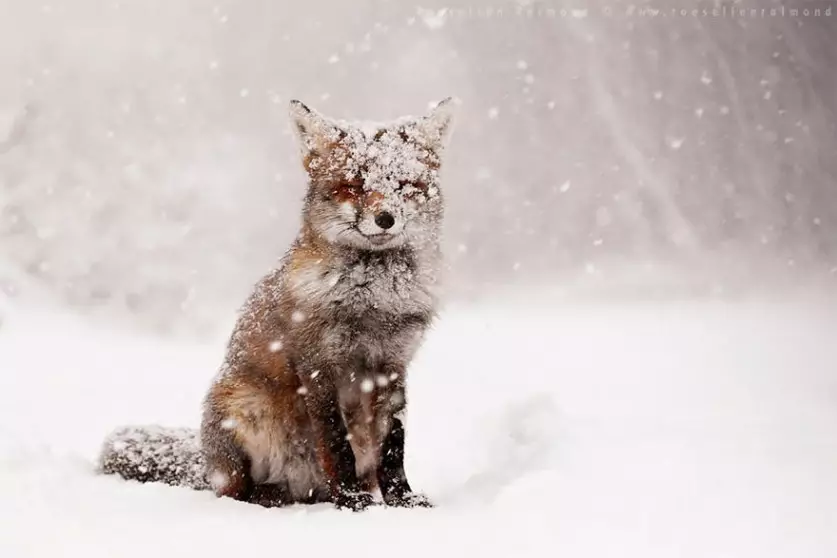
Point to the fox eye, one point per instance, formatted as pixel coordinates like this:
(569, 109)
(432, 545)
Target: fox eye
(412, 188)
(347, 190)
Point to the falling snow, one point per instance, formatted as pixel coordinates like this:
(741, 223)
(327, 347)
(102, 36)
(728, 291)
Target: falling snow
(367, 385)
(148, 174)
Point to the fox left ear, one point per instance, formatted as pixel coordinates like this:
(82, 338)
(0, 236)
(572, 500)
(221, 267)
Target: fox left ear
(438, 125)
(314, 132)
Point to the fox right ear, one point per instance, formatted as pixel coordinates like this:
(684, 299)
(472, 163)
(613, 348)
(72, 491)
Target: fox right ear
(438, 125)
(313, 131)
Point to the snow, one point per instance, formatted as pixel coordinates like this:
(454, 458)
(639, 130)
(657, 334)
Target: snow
(677, 428)
(229, 423)
(385, 155)
(367, 385)
(433, 19)
(539, 427)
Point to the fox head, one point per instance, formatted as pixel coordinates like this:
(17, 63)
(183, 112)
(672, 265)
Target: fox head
(373, 186)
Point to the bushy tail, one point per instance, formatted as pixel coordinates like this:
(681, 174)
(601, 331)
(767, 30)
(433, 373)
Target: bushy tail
(155, 454)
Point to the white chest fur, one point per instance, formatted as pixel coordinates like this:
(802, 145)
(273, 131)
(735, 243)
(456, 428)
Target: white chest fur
(387, 284)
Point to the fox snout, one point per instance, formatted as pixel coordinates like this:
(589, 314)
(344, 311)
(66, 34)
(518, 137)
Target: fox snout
(382, 216)
(380, 222)
(374, 214)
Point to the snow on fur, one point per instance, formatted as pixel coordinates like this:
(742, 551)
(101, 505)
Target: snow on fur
(155, 454)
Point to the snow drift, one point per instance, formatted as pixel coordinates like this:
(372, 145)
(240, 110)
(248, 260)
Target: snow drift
(665, 429)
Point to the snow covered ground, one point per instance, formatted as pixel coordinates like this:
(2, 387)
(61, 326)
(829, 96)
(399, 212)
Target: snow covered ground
(670, 429)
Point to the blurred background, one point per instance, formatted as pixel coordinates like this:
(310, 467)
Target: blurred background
(148, 177)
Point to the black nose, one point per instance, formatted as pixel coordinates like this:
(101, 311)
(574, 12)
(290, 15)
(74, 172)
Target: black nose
(384, 219)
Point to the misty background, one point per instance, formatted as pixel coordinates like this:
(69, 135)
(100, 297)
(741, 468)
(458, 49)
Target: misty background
(148, 176)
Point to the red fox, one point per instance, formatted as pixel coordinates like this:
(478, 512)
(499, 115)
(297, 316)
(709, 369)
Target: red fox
(308, 404)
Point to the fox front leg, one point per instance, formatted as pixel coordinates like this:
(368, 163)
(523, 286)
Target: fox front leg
(333, 450)
(392, 479)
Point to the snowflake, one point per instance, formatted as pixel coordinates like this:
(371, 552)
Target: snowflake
(218, 480)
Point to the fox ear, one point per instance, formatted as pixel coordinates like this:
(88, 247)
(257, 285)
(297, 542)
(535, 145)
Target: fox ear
(438, 125)
(313, 131)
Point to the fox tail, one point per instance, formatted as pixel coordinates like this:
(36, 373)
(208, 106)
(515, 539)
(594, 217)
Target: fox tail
(155, 454)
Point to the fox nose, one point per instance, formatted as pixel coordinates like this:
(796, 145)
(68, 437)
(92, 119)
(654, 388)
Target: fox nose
(384, 219)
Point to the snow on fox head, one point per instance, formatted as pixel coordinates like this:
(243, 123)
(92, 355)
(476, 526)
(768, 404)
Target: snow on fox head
(373, 186)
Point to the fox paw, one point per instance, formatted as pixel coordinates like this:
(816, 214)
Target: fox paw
(409, 500)
(354, 501)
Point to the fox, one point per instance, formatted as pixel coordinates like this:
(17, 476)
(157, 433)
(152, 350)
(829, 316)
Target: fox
(309, 403)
